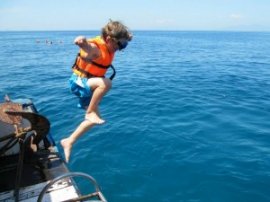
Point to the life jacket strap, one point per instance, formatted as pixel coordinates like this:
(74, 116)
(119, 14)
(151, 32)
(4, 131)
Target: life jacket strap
(114, 72)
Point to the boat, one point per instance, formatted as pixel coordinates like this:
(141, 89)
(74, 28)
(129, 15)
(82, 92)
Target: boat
(31, 167)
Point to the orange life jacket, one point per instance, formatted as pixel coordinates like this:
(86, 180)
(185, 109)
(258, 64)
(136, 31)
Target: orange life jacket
(97, 67)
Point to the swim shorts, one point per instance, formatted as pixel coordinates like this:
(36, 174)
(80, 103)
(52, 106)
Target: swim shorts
(79, 87)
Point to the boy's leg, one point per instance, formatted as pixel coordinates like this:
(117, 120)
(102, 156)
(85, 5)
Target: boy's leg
(68, 142)
(100, 87)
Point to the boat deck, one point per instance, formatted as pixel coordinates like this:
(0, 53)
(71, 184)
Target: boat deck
(63, 190)
(40, 167)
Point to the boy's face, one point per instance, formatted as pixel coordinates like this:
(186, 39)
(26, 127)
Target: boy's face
(114, 44)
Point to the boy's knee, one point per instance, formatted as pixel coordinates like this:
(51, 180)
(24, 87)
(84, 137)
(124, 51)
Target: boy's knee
(107, 83)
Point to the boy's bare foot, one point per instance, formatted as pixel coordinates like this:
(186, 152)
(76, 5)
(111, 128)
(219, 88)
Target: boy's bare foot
(67, 148)
(94, 118)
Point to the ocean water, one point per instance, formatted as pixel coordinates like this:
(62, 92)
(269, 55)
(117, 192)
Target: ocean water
(187, 119)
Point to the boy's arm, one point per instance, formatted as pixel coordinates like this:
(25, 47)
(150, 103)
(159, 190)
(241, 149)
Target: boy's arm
(89, 48)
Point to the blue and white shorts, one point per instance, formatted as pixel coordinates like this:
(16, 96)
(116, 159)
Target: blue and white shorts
(79, 87)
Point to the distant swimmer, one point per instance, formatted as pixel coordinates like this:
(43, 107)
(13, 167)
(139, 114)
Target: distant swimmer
(48, 42)
(88, 80)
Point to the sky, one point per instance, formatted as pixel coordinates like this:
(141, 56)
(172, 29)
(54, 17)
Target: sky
(228, 15)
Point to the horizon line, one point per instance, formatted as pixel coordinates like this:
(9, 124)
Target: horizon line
(139, 30)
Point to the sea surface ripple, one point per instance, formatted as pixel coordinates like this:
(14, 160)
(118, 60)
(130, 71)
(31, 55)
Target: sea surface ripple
(187, 118)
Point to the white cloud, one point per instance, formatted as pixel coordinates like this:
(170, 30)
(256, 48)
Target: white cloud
(236, 16)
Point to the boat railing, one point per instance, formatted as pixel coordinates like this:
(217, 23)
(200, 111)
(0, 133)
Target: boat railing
(97, 194)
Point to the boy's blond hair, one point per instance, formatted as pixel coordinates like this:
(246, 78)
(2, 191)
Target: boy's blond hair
(116, 30)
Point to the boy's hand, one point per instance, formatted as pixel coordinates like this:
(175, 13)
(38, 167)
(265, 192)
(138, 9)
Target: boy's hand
(80, 40)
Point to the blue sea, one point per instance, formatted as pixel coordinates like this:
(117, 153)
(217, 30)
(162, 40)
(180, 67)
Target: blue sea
(187, 119)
